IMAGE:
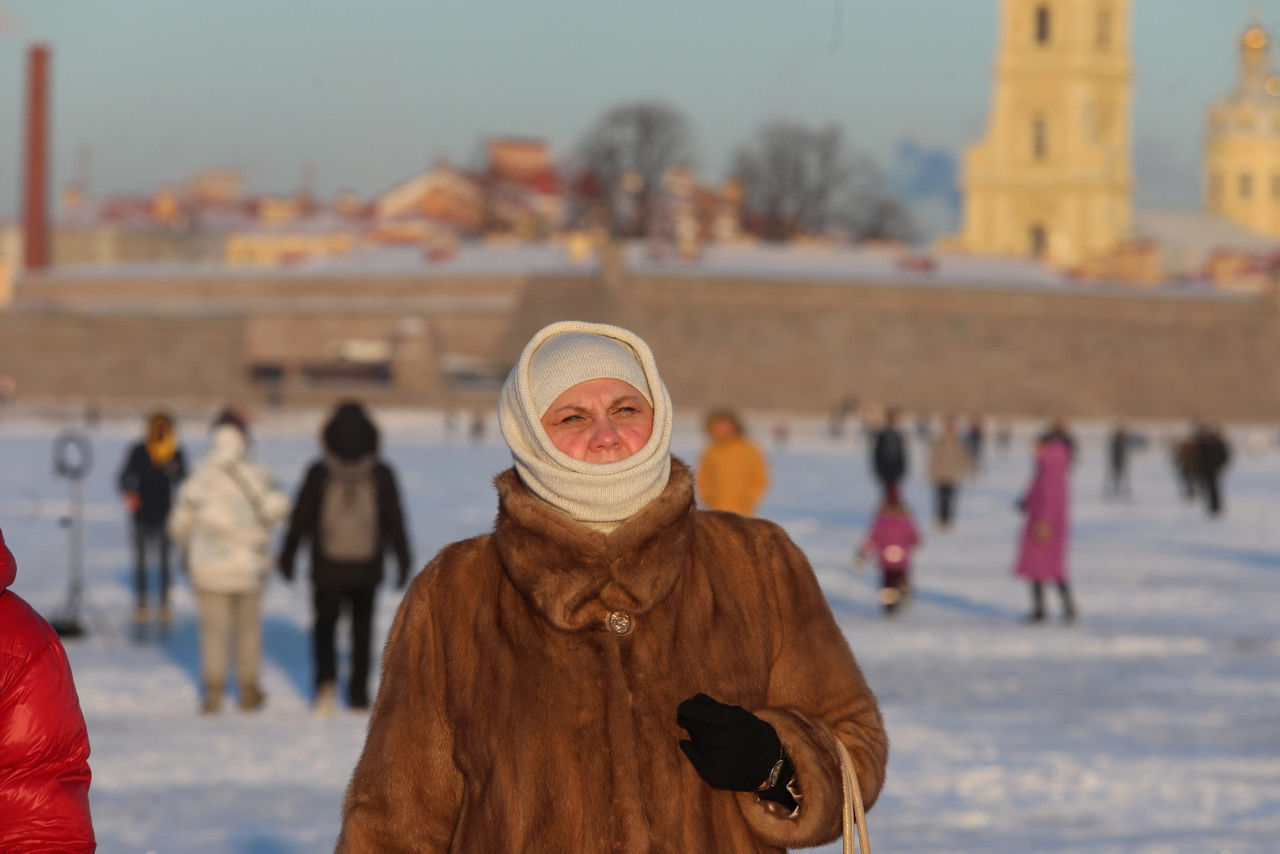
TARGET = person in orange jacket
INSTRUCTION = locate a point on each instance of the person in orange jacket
(44, 747)
(732, 474)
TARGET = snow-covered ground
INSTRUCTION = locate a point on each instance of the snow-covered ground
(1151, 725)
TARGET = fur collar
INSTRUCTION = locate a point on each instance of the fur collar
(575, 576)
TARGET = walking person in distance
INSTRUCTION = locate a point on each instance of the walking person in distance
(349, 508)
(152, 470)
(222, 520)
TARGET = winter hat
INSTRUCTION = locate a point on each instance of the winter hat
(162, 441)
(570, 358)
(601, 495)
(350, 434)
(235, 416)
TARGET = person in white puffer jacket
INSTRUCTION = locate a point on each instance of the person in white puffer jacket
(222, 521)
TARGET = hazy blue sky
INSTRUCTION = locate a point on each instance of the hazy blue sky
(369, 91)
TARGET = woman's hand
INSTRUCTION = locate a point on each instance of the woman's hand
(732, 749)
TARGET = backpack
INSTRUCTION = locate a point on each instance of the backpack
(349, 528)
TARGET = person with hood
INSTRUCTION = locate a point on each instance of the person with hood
(222, 520)
(1211, 453)
(44, 746)
(1042, 558)
(349, 508)
(732, 474)
(152, 470)
(949, 464)
(610, 668)
(889, 452)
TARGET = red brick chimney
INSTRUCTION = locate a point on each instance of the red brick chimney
(35, 212)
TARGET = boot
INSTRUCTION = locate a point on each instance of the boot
(1068, 605)
(326, 704)
(211, 704)
(251, 697)
(1037, 605)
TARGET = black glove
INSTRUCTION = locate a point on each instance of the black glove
(733, 749)
(286, 568)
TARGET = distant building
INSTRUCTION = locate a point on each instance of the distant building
(283, 246)
(1052, 177)
(1242, 145)
(524, 194)
(215, 187)
(444, 195)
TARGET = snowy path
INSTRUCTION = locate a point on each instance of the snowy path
(1152, 725)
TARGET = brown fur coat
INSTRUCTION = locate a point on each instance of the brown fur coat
(512, 718)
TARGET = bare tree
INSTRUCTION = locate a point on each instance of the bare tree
(641, 140)
(868, 211)
(801, 180)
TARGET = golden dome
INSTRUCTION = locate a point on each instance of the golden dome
(1255, 38)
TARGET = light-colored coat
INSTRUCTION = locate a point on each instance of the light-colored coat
(512, 718)
(1043, 556)
(223, 517)
(949, 460)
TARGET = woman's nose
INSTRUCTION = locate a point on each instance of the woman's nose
(605, 436)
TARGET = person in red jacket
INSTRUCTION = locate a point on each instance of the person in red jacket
(44, 748)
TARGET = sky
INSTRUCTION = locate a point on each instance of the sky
(363, 94)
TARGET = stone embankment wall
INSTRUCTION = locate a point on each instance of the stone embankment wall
(765, 344)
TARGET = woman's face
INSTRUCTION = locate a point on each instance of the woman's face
(599, 421)
(722, 429)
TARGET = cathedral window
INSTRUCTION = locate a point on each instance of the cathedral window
(1043, 25)
(1039, 138)
(1215, 190)
(1245, 188)
(1103, 35)
(1039, 241)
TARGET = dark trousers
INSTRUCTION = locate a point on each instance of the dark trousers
(1119, 481)
(329, 602)
(945, 502)
(149, 534)
(1037, 601)
(894, 588)
(1213, 494)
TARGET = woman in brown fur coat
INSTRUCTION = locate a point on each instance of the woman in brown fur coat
(610, 669)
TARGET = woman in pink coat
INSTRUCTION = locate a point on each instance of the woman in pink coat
(1043, 557)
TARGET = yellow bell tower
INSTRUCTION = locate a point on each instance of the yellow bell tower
(1242, 146)
(1052, 177)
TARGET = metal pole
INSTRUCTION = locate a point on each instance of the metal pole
(76, 586)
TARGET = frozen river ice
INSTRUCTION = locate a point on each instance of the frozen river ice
(1152, 725)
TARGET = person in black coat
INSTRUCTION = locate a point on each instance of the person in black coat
(1211, 454)
(349, 507)
(889, 453)
(148, 480)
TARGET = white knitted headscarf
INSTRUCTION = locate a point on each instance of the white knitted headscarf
(601, 495)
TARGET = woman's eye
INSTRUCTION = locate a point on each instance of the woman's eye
(625, 410)
(570, 419)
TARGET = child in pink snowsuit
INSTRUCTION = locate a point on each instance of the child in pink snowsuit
(892, 537)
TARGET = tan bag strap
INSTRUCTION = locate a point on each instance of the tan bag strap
(855, 817)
